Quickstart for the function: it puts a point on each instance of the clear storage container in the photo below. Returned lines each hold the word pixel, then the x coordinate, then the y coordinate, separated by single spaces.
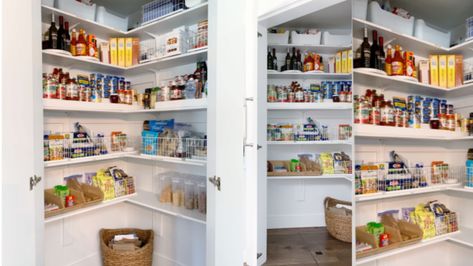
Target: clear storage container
pixel 165 196
pixel 390 20
pixel 189 191
pixel 202 200
pixel 431 34
pixel 108 18
pixel 278 38
pixel 77 8
pixel 177 192
pixel 305 39
pixel 343 40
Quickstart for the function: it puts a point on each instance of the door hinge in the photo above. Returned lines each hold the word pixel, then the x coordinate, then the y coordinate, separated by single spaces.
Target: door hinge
pixel 260 35
pixel 258 255
pixel 216 181
pixel 34 180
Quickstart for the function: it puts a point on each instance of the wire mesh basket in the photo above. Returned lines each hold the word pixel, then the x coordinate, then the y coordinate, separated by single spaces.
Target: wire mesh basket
pixel 376 178
pixel 160 8
pixel 185 148
pixel 61 146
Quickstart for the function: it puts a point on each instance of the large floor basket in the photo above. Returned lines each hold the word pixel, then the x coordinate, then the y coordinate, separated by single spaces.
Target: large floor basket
pixel 338 222
pixel 140 257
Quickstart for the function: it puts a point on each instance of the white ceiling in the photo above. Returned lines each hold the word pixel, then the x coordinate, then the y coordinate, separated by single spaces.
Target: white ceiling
pixel 445 14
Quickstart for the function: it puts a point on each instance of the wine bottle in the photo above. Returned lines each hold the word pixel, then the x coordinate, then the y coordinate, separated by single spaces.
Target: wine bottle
pixel 365 50
pixel 270 61
pixel 52 33
pixel 275 60
pixel 293 63
pixel 374 51
pixel 67 37
pixel 61 34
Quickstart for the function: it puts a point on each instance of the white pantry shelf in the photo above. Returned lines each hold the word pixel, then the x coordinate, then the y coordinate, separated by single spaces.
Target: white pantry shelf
pixel 402 193
pixel 71 161
pixel 385 132
pixel 411 43
pixel 161 25
pixel 77 62
pixel 397 251
pixel 306 75
pixel 319 142
pixel 158 158
pixel 68 61
pixel 320 49
pixel 97 206
pixel 347 177
pixel 407 86
pixel 107 107
pixel 151 201
pixel 309 106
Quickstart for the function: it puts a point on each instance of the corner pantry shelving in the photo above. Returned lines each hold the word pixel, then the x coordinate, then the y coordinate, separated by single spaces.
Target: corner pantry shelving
pixel 423 145
pixel 147 170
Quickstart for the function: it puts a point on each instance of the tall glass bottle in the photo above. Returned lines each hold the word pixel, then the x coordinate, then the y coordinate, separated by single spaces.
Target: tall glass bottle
pixel 374 52
pixel 52 33
pixel 365 50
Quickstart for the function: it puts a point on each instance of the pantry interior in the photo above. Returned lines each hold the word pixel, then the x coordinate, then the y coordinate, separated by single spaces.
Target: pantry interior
pixel 289 198
pixel 183 236
pixel 434 28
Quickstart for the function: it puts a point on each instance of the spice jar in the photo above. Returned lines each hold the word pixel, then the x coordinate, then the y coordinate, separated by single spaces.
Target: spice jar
pixel 434 123
pixel 177 192
pixel 387 114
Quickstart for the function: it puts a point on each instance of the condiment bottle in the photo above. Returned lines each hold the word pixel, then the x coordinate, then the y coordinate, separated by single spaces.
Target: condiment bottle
pixel 388 61
pixel 387 114
pixel 81 46
pixel 74 42
pixel 397 66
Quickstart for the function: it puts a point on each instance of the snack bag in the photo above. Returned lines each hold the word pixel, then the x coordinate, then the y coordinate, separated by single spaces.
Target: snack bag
pixel 326 161
pixel 426 221
pixel 106 184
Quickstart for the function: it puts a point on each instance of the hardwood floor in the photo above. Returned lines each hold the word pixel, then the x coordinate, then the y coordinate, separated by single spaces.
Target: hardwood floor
pixel 306 246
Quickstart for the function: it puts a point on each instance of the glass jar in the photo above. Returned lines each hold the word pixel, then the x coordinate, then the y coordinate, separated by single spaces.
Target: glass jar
pixel 189 190
pixel 166 189
pixel 177 192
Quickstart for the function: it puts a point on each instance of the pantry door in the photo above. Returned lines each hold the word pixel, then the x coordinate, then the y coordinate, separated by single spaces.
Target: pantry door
pixel 21 136
pixel 227 217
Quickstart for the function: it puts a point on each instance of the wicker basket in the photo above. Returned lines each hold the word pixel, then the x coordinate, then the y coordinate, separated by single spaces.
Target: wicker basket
pixel 140 257
pixel 338 225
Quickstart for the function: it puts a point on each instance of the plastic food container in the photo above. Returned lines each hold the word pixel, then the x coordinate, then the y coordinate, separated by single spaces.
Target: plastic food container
pixel 108 18
pixel 336 39
pixel 166 189
pixel 77 8
pixel 305 39
pixel 177 192
pixel 390 20
pixel 430 34
pixel 49 3
pixel 202 198
pixel 469 28
pixel 278 38
pixel 189 190
pixel 360 9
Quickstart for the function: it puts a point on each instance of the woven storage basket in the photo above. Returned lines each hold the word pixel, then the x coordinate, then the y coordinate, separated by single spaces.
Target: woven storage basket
pixel 338 224
pixel 139 257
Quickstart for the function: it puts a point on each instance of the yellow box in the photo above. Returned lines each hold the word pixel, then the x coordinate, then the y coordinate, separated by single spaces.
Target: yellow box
pixel 443 71
pixel 451 71
pixel 121 52
pixel 113 51
pixel 344 62
pixel 350 61
pixel 434 70
pixel 338 62
pixel 128 52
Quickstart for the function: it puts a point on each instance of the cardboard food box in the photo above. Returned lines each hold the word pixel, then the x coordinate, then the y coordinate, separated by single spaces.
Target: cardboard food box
pixel 121 51
pixel 443 71
pixel 434 70
pixel 450 71
pixel 114 51
pixel 105 53
pixel 338 62
pixel 424 71
pixel 345 62
pixel 350 61
pixel 458 70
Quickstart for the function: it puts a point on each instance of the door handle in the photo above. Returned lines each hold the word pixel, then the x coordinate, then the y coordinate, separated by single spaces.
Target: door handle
pixel 34 180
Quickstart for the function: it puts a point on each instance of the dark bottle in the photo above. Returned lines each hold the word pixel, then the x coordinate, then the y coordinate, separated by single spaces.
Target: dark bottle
pixel 374 52
pixel 275 60
pixel 52 33
pixel 365 50
pixel 382 55
pixel 288 62
pixel 293 63
pixel 67 38
pixel 299 60
pixel 203 71
pixel 270 61
pixel 61 34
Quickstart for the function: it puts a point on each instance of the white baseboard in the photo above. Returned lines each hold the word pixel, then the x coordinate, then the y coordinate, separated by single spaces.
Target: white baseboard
pixel 296 220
